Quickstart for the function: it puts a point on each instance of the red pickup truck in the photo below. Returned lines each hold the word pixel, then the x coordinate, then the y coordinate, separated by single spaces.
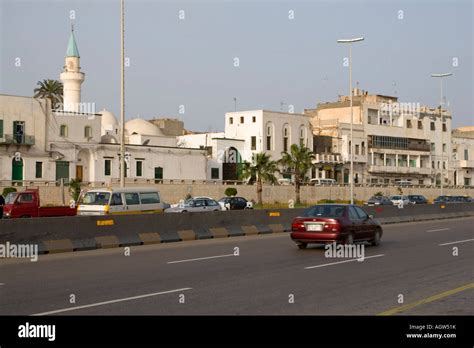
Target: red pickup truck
pixel 26 204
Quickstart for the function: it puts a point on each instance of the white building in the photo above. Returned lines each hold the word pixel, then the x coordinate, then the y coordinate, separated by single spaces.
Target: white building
pixel 392 140
pixel 38 144
pixel 463 156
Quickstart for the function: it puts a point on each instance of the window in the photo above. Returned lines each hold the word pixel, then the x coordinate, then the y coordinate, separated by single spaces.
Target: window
pixel 253 143
pixel 214 173
pixel 444 127
pixel 211 203
pixel 39 170
pixel 241 119
pixel 107 167
pixel 149 197
pixel 353 214
pixel 26 198
pixel 302 136
pixel 116 199
pixel 63 131
pixel 438 164
pixel 420 124
pixel 409 124
pixel 357 149
pixel 231 120
pixel 158 174
pixel 139 168
pixel 1 128
pixel 444 147
pixel 466 154
pixel 363 148
pixel 132 198
pixel 444 165
pixel 362 214
pixel 285 138
pixel 433 148
pixel 87 132
pixel 254 119
pixel 467 181
pixel 269 137
pixel 432 126
pixel 350 148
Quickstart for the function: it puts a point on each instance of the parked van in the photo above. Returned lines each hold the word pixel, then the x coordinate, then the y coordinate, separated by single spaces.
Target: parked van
pixel 399 182
pixel 319 182
pixel 120 201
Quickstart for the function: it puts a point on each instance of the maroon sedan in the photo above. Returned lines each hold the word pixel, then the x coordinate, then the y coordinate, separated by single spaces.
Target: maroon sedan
pixel 341 223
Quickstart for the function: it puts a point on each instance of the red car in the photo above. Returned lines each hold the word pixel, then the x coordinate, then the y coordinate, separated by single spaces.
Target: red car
pixel 340 223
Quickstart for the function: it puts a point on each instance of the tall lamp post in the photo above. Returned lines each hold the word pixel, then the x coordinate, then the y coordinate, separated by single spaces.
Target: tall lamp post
pixel 440 76
pixel 351 147
pixel 122 95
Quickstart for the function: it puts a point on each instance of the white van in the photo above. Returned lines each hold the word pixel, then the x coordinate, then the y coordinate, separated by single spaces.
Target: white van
pixel 319 182
pixel 120 201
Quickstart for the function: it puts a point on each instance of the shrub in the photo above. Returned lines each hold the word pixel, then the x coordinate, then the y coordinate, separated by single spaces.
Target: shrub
pixel 7 190
pixel 230 191
pixel 75 188
pixel 380 193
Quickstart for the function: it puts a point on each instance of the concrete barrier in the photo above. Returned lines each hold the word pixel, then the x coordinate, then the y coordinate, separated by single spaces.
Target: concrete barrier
pixel 64 234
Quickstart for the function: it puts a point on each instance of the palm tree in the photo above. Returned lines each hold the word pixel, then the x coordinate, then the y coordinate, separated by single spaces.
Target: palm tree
pixel 52 90
pixel 297 162
pixel 262 169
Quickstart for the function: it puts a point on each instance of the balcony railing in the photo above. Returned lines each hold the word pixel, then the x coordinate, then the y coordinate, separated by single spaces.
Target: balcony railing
pixel 17 139
pixel 399 170
pixel 327 158
pixel 466 164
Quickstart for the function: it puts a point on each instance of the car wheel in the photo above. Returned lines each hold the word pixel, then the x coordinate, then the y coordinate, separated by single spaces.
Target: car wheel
pixel 184 211
pixel 376 240
pixel 302 245
pixel 216 210
pixel 349 239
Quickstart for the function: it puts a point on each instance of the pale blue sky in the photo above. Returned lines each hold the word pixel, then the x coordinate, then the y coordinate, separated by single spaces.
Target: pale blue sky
pixel 190 62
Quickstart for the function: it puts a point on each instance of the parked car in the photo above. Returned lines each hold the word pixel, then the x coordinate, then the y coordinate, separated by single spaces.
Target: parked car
pixel 340 223
pixel 398 199
pixel 379 200
pixel 195 205
pixel 401 182
pixel 320 182
pixel 417 199
pixel 443 199
pixel 235 203
pixel 462 199
pixel 284 182
pixel 120 201
pixel 26 204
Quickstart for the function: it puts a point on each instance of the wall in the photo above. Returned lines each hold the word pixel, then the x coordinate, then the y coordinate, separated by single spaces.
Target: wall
pixel 172 193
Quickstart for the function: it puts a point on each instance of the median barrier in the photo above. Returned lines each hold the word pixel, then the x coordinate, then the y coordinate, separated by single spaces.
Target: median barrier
pixel 63 234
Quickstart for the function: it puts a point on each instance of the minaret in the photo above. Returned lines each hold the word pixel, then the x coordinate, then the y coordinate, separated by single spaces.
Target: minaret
pixel 72 77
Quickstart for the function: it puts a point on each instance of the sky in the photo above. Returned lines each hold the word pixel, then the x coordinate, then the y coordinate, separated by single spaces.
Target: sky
pixel 287 53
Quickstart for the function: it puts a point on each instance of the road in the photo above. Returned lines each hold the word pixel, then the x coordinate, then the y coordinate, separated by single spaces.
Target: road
pixel 269 276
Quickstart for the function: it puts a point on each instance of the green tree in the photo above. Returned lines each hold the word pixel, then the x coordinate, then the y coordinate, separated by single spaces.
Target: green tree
pixel 261 169
pixel 297 162
pixel 52 90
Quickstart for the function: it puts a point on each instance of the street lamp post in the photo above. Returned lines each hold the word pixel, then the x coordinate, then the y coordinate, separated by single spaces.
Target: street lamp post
pixel 440 76
pixel 122 95
pixel 351 147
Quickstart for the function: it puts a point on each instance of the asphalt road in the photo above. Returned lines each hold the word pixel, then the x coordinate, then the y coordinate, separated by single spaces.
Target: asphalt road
pixel 204 277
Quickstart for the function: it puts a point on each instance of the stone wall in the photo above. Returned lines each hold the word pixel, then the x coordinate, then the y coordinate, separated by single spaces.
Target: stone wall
pixel 172 193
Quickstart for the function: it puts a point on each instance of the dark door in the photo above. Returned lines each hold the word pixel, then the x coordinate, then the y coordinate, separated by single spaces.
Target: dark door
pixel 229 171
pixel 62 171
pixel 17 169
pixel 27 204
pixel 79 173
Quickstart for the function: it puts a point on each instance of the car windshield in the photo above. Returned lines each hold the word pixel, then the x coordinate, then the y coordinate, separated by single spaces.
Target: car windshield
pixel 95 198
pixel 10 198
pixel 396 197
pixel 325 211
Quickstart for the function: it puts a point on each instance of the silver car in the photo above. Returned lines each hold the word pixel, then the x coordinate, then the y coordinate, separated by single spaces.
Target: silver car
pixel 199 204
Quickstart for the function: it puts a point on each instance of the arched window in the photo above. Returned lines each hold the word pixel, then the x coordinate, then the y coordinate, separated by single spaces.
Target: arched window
pixel 88 132
pixel 302 135
pixel 63 131
pixel 269 136
pixel 286 137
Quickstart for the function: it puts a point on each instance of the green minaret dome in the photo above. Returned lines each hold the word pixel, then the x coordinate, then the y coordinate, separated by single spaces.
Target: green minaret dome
pixel 72 50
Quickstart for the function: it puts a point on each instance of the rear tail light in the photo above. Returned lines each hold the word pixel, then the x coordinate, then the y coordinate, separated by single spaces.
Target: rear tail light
pixel 297 225
pixel 332 227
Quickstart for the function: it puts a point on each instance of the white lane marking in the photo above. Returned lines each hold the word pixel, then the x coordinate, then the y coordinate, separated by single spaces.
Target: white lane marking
pixel 109 302
pixel 459 241
pixel 439 229
pixel 200 258
pixel 336 263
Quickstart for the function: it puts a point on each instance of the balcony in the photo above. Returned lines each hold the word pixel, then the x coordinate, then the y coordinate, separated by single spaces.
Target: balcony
pixel 16 139
pixel 399 170
pixel 327 158
pixel 466 164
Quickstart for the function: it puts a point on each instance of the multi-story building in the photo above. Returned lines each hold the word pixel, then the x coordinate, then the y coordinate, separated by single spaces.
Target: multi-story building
pixel 392 140
pixel 463 156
